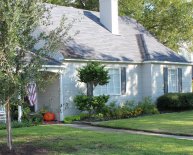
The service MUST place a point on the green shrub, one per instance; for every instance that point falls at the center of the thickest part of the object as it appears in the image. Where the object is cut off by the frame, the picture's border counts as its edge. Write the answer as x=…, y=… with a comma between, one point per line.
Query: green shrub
x=28, y=119
x=93, y=105
x=99, y=102
x=2, y=126
x=175, y=102
x=25, y=111
x=44, y=109
x=70, y=119
x=147, y=106
x=35, y=118
x=99, y=117
x=16, y=124
x=130, y=105
x=14, y=111
x=109, y=111
x=83, y=102
x=112, y=111
x=129, y=109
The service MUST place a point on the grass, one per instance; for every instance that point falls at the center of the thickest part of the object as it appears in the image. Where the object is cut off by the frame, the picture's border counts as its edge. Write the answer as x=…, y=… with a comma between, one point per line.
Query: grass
x=57, y=139
x=176, y=123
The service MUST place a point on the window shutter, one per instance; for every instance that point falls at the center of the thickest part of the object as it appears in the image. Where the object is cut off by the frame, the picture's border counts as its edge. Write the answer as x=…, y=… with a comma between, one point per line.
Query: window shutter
x=123, y=80
x=165, y=80
x=180, y=80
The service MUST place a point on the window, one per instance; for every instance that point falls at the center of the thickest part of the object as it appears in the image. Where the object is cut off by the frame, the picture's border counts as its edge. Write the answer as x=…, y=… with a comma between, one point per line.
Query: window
x=114, y=85
x=172, y=80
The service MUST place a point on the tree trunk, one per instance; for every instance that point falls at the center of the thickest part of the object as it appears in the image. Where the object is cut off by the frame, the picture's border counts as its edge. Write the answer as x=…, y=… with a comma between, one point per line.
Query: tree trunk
x=8, y=124
x=90, y=89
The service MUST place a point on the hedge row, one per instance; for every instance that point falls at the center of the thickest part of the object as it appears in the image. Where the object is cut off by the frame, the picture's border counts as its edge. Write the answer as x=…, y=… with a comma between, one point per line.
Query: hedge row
x=175, y=102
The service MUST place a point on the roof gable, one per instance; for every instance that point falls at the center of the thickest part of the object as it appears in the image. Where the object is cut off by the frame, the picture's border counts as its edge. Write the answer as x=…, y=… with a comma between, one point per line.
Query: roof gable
x=95, y=42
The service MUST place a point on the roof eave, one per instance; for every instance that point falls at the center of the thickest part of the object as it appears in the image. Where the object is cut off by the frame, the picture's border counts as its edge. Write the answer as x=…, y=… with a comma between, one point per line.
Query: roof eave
x=63, y=65
x=102, y=61
x=168, y=63
x=128, y=62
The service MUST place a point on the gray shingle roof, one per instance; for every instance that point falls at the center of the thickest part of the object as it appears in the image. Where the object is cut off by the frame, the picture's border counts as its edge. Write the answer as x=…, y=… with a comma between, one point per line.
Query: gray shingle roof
x=134, y=44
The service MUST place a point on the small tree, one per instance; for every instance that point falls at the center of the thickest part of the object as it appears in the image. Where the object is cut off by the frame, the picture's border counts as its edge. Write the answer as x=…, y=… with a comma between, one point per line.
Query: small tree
x=20, y=60
x=93, y=74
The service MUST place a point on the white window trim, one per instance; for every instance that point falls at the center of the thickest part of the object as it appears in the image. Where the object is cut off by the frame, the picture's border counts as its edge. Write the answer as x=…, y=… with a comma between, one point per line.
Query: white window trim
x=119, y=94
x=176, y=69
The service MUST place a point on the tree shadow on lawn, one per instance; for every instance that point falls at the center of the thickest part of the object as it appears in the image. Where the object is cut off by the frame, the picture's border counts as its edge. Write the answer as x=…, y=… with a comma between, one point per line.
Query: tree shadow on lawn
x=52, y=145
x=24, y=149
x=78, y=145
x=40, y=147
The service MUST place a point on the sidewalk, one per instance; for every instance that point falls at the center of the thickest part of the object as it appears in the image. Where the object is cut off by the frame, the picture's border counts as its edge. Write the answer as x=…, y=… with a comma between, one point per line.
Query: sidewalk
x=103, y=129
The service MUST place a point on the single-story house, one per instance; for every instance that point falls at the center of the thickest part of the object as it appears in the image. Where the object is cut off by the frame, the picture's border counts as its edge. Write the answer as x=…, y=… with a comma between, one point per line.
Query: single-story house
x=139, y=65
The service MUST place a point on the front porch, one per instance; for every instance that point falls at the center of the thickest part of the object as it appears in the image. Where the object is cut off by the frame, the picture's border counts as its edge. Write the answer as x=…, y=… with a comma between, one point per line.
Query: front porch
x=51, y=97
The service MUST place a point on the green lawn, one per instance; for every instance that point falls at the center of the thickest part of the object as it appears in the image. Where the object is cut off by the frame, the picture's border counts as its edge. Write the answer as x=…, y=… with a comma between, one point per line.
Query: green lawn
x=177, y=123
x=65, y=140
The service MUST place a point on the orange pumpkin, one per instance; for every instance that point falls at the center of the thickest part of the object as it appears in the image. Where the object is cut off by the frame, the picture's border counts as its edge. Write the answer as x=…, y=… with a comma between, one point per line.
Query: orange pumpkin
x=49, y=116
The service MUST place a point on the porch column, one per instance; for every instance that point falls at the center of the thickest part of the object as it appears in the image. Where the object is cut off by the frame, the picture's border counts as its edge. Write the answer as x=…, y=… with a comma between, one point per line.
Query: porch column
x=61, y=98
x=19, y=109
x=19, y=113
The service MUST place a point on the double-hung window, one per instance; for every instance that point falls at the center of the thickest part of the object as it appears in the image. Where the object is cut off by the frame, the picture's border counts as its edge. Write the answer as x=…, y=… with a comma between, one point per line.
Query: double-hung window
x=172, y=80
x=114, y=85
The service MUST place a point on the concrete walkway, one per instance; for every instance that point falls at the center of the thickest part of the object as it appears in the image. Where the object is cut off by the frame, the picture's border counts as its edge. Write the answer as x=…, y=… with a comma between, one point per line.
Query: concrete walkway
x=103, y=129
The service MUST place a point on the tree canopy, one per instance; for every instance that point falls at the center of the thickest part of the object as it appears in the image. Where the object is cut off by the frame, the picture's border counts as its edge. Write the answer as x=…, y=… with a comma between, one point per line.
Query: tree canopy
x=169, y=20
x=22, y=25
x=20, y=60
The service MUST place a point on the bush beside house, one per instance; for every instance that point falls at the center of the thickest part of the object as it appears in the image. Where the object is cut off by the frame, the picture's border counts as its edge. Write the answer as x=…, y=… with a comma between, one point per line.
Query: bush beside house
x=130, y=109
x=93, y=105
x=112, y=110
x=175, y=102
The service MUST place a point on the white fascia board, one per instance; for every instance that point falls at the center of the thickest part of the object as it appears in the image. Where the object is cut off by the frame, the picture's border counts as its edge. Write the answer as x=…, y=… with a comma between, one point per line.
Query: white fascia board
x=167, y=63
x=123, y=62
x=102, y=61
x=53, y=68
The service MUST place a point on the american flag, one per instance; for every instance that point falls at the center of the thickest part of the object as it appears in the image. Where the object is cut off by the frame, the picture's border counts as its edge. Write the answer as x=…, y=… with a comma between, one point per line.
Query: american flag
x=32, y=95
